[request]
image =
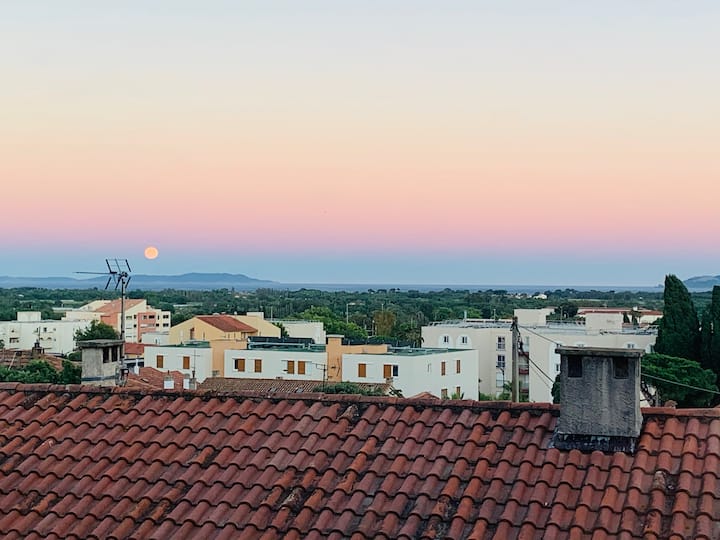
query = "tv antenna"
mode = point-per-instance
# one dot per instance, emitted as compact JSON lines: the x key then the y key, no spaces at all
{"x":119,"y":274}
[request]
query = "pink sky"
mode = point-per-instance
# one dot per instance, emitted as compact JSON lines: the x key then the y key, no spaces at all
{"x":454,"y":130}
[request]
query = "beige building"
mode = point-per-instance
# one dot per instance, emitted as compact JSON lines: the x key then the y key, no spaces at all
{"x":214,"y":327}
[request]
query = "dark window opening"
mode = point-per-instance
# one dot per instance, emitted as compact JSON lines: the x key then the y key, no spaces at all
{"x":575,"y":366}
{"x":620,"y":368}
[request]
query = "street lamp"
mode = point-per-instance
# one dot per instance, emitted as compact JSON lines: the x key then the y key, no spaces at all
{"x":347,"y":311}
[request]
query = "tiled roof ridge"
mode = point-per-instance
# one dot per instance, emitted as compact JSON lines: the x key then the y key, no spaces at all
{"x":76,"y":389}
{"x":500,"y":406}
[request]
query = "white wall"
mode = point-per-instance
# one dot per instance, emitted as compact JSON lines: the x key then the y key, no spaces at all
{"x":55,"y":337}
{"x":274,"y":364}
{"x":156,"y":338}
{"x":305,"y":329}
{"x":417,"y":373}
{"x":540,"y":342}
{"x":200,"y":360}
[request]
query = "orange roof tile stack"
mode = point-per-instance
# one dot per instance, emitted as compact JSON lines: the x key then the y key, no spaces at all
{"x":96,"y":462}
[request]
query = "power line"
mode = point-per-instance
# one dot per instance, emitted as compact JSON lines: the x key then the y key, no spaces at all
{"x":540,"y":335}
{"x":676,"y":383}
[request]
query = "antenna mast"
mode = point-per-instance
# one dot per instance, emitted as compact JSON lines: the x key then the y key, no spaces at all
{"x":119,"y":274}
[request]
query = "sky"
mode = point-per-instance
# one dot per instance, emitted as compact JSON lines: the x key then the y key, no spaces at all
{"x":454,"y":142}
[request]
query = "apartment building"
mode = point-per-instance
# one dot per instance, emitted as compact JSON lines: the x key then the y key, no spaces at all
{"x":539,"y":363}
{"x":53,"y":336}
{"x":139,"y":317}
{"x":444,"y":373}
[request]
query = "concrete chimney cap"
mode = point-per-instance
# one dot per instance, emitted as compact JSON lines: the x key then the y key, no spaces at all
{"x":601,"y":352}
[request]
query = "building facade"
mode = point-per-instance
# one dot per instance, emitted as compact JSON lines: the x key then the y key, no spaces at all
{"x":539,"y":362}
{"x":53,"y":336}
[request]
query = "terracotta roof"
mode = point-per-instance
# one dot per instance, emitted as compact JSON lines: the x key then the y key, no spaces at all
{"x":273,"y":386}
{"x":226,"y":323}
{"x":85,"y":462}
{"x":134,"y":348}
{"x":22,"y":357}
{"x":150,"y":378}
{"x":114,"y":305}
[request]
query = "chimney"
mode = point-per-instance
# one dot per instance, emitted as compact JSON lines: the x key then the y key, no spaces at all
{"x":168,"y":383}
{"x":599,"y":399}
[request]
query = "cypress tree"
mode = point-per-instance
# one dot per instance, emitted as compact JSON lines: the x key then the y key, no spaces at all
{"x":679,"y":328}
{"x":710,"y":333}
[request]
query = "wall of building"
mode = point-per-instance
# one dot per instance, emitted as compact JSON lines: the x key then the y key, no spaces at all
{"x":182,"y":358}
{"x":493,"y":341}
{"x":274,"y":364}
{"x":441,"y":373}
{"x":305,"y":329}
{"x":55,"y":337}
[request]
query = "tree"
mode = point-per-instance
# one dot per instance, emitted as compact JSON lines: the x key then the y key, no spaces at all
{"x":710,"y":333}
{"x":679,"y":328}
{"x":663,"y":373}
{"x":566,"y":310}
{"x":384,"y":322}
{"x":96,"y":330}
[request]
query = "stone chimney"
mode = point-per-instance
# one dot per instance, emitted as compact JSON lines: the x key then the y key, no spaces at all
{"x":101,"y":361}
{"x":599,"y":399}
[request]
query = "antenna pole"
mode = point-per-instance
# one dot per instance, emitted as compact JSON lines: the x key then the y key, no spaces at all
{"x":515,"y":363}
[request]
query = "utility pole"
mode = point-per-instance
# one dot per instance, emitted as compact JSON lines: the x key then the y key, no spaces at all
{"x":515,"y":363}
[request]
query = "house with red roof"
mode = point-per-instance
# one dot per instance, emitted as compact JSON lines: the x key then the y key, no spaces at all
{"x":87,"y":462}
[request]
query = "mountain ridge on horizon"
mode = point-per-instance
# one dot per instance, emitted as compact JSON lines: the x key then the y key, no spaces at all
{"x":226,"y":280}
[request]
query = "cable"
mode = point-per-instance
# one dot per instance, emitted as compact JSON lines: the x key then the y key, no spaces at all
{"x":680,"y":384}
{"x":642,"y":374}
{"x":539,"y":335}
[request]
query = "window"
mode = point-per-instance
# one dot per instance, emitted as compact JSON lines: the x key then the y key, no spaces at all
{"x":464,"y":340}
{"x":499,"y":379}
{"x":362,"y":370}
{"x":574,"y":367}
{"x":239,"y":364}
{"x":621,"y":368}
{"x":186,"y":362}
{"x":159,"y":361}
{"x":446,"y":339}
{"x":501,"y":343}
{"x":457,"y":366}
{"x":258,"y":365}
{"x":390,"y":370}
{"x":442,"y":368}
{"x":301,"y":367}
{"x":192,"y":334}
{"x":290,"y":367}
{"x":557,"y":368}
{"x":630,"y":345}
{"x":500,"y":364}
{"x":458,"y":392}
{"x":444,"y":393}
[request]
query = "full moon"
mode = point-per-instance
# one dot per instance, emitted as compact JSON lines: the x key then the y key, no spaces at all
{"x":151,"y":252}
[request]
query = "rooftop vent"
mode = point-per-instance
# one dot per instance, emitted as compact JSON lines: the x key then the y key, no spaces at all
{"x":599,"y":399}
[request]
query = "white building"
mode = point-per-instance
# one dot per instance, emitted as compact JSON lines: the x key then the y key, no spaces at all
{"x":314,"y":330}
{"x":55,"y":337}
{"x":539,"y":338}
{"x":281,"y":361}
{"x":139,"y":317}
{"x":443,"y":373}
{"x":191,"y":358}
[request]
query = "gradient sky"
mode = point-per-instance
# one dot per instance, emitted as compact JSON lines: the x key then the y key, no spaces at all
{"x":569,"y":143}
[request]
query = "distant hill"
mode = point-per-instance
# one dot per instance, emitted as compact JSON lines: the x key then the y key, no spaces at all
{"x":702,"y":283}
{"x":193,"y":281}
